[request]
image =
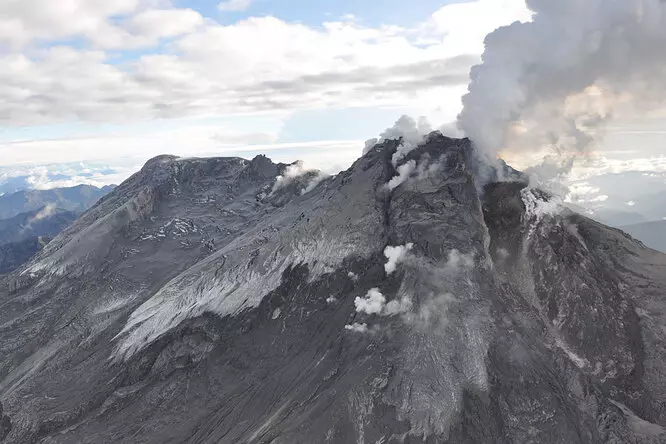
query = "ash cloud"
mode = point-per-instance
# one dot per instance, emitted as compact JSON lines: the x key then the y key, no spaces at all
{"x":555,"y":82}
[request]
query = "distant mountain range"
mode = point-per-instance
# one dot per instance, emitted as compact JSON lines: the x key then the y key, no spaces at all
{"x":47,"y":221}
{"x":652,"y":234}
{"x":76,"y":199}
{"x":15,"y":254}
{"x":29,"y":219}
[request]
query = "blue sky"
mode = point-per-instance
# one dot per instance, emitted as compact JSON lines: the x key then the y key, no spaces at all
{"x":88,"y":93}
{"x":116,"y":83}
{"x":371,"y":12}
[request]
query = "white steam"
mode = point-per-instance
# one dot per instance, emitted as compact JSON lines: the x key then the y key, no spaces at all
{"x":48,"y":211}
{"x":557,"y":81}
{"x":411,"y":132}
{"x":295,"y":171}
{"x":373,"y":303}
{"x":396,"y":255}
{"x":404,"y":172}
{"x":357,"y":328}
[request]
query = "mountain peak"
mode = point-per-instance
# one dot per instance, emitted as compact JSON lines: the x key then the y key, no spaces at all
{"x":400,"y":300}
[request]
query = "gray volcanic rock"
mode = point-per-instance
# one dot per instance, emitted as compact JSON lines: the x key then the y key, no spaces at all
{"x":205,"y":301}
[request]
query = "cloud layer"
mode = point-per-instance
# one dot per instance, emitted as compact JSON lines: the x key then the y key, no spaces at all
{"x":65,"y":62}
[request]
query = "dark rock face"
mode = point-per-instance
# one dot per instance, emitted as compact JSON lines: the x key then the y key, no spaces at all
{"x":15,"y":254}
{"x":201,"y":302}
{"x":5,"y":425}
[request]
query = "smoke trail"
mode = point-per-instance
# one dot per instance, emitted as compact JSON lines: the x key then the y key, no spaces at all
{"x":557,"y":81}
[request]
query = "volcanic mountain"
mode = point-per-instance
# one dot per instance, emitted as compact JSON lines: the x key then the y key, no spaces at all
{"x":403,"y":300}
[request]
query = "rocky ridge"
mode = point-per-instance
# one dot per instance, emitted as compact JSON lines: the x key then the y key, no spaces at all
{"x":200,"y":302}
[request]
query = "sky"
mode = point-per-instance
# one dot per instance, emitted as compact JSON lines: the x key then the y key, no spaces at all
{"x":91,"y":89}
{"x":100,"y":87}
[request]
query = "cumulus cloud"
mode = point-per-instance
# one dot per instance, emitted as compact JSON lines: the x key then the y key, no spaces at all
{"x":372,"y":303}
{"x":256,"y":64}
{"x":120,"y":24}
{"x":395,"y":256}
{"x":559,"y":80}
{"x":234,"y":5}
{"x":155,"y":24}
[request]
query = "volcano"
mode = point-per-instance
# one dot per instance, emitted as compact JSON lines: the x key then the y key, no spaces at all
{"x":204,"y":301}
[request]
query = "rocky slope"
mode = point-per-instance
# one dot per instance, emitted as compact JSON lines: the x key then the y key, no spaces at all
{"x":205,"y":301}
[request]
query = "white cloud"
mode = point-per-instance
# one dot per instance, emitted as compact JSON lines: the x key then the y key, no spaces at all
{"x":395,"y":256}
{"x":259,"y":63}
{"x":357,"y":328}
{"x":118,"y":24}
{"x":372,"y":303}
{"x":155,"y":24}
{"x":234,"y":5}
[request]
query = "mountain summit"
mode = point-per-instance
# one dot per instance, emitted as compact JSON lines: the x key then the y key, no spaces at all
{"x":235,"y":301}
